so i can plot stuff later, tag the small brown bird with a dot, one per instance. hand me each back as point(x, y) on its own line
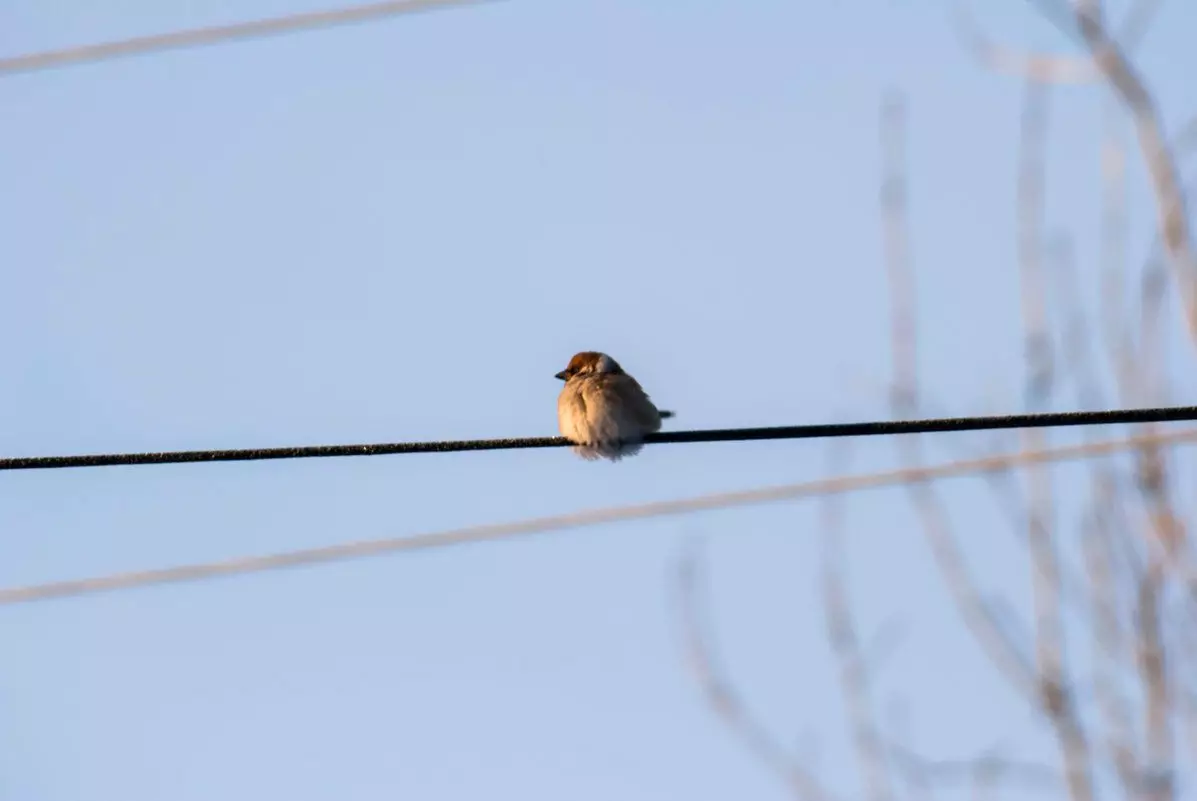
point(603, 410)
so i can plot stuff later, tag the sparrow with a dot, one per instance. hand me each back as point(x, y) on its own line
point(603, 410)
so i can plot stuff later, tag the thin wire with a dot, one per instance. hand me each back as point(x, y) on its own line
point(504, 531)
point(215, 34)
point(821, 431)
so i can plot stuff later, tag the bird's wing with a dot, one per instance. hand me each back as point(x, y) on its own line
point(636, 403)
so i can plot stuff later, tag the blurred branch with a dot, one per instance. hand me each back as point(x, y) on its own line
point(1171, 206)
point(978, 616)
point(1045, 68)
point(855, 671)
point(1107, 60)
point(1114, 227)
point(719, 692)
point(1076, 356)
point(1055, 686)
point(990, 768)
point(1110, 649)
point(1158, 709)
point(1117, 711)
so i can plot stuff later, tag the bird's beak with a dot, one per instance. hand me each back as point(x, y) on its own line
point(562, 376)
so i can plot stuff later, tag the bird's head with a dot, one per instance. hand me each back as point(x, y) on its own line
point(589, 362)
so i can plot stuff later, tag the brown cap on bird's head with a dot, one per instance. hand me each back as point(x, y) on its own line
point(589, 362)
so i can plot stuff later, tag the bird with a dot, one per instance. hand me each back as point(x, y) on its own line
point(602, 410)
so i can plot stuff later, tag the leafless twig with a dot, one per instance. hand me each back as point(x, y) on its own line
point(855, 671)
point(720, 693)
point(1046, 68)
point(980, 618)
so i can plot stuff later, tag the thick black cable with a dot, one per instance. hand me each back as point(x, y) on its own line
point(819, 431)
point(494, 532)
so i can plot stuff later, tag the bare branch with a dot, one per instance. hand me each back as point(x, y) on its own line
point(991, 767)
point(1171, 206)
point(854, 670)
point(1110, 649)
point(1153, 673)
point(1054, 684)
point(719, 692)
point(1045, 68)
point(982, 622)
point(1076, 354)
point(1114, 228)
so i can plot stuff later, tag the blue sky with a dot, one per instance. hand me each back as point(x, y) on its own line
point(401, 231)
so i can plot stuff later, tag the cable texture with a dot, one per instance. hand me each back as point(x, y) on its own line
point(503, 531)
point(819, 431)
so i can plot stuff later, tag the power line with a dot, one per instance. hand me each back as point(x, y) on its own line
point(820, 431)
point(504, 531)
point(215, 34)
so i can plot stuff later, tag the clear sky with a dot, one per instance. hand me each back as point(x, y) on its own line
point(401, 231)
